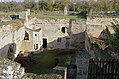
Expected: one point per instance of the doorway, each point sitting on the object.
(67, 43)
(44, 43)
(63, 29)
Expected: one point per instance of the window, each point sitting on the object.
(35, 34)
(59, 40)
(35, 46)
(26, 36)
(82, 42)
(63, 29)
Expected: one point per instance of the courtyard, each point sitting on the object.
(45, 61)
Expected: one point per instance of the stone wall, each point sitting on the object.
(10, 69)
(13, 70)
(52, 29)
(42, 76)
(82, 62)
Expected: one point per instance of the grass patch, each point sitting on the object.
(3, 23)
(54, 16)
(45, 61)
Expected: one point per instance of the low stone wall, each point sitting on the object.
(43, 76)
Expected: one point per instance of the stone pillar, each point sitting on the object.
(82, 61)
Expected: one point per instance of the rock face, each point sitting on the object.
(10, 69)
(59, 33)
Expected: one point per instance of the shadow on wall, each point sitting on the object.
(8, 51)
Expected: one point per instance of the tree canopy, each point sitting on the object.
(49, 5)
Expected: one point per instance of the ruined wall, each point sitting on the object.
(10, 69)
(13, 70)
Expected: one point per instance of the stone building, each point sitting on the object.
(60, 33)
(68, 33)
(11, 36)
(16, 38)
(32, 40)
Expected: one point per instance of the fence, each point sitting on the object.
(103, 69)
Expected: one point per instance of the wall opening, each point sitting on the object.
(11, 51)
(35, 46)
(44, 43)
(63, 29)
(35, 34)
(26, 36)
(67, 43)
(59, 40)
